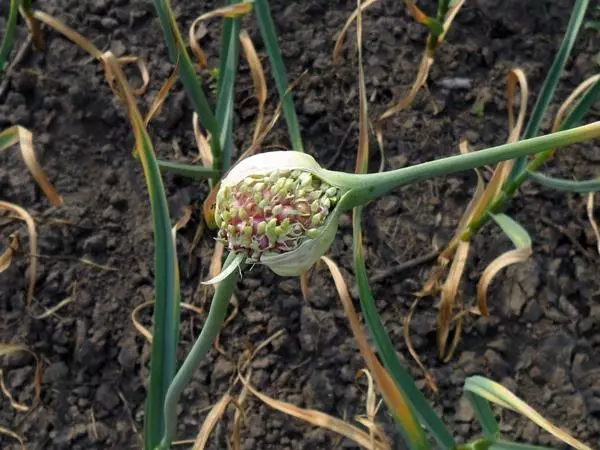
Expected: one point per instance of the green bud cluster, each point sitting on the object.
(274, 213)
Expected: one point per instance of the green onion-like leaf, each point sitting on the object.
(269, 35)
(484, 415)
(9, 33)
(230, 52)
(167, 296)
(192, 171)
(404, 381)
(496, 393)
(562, 184)
(551, 81)
(179, 56)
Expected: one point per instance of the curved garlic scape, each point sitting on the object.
(276, 209)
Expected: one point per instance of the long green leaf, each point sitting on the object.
(167, 295)
(552, 79)
(423, 409)
(180, 57)
(562, 184)
(485, 415)
(230, 52)
(498, 394)
(192, 171)
(269, 35)
(9, 34)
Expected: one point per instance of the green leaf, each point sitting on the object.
(192, 171)
(229, 53)
(562, 184)
(498, 394)
(402, 378)
(180, 57)
(269, 35)
(485, 415)
(552, 79)
(513, 229)
(9, 34)
(507, 445)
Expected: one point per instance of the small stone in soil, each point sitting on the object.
(55, 372)
(107, 397)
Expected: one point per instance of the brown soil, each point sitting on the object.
(542, 339)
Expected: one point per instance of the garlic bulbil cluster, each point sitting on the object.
(275, 209)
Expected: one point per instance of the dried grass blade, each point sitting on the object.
(50, 311)
(12, 434)
(449, 292)
(16, 405)
(161, 96)
(204, 149)
(69, 33)
(6, 349)
(371, 410)
(394, 399)
(340, 40)
(13, 245)
(233, 11)
(237, 419)
(515, 78)
(137, 324)
(577, 92)
(258, 78)
(521, 240)
(506, 259)
(593, 223)
(17, 134)
(318, 419)
(26, 217)
(362, 158)
(143, 72)
(211, 420)
(420, 80)
(428, 376)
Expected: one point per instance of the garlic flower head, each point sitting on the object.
(276, 209)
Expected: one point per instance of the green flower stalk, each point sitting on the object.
(282, 209)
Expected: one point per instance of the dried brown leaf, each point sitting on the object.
(26, 217)
(449, 292)
(24, 138)
(7, 349)
(429, 378)
(318, 419)
(211, 420)
(340, 40)
(14, 245)
(16, 436)
(258, 78)
(593, 223)
(511, 257)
